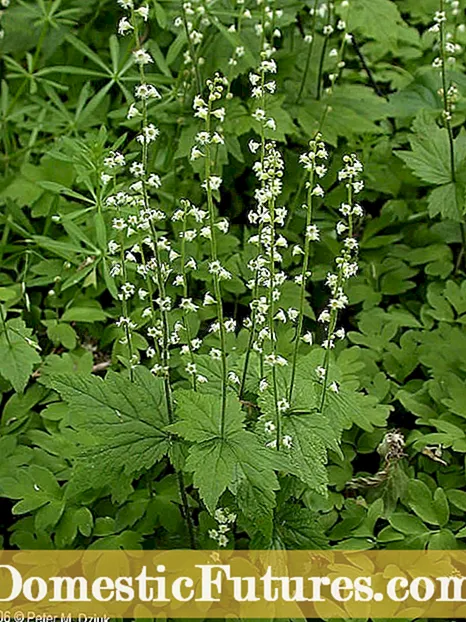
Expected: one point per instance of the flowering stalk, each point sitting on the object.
(187, 303)
(193, 37)
(261, 86)
(346, 268)
(273, 165)
(312, 162)
(145, 220)
(207, 112)
(449, 93)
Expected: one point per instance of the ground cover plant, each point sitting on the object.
(232, 289)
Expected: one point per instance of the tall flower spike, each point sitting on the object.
(213, 114)
(313, 164)
(142, 248)
(262, 87)
(346, 266)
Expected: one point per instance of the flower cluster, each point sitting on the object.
(268, 277)
(225, 520)
(140, 257)
(194, 19)
(337, 53)
(446, 31)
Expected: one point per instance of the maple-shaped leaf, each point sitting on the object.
(234, 459)
(121, 426)
(18, 353)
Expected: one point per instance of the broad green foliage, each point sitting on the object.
(232, 458)
(106, 441)
(429, 159)
(120, 427)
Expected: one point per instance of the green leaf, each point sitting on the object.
(232, 458)
(84, 314)
(121, 427)
(434, 511)
(375, 19)
(34, 486)
(407, 524)
(429, 158)
(62, 333)
(448, 201)
(457, 498)
(295, 528)
(18, 353)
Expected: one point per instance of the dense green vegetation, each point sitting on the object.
(232, 287)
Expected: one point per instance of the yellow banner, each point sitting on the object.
(49, 585)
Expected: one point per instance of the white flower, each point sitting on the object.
(147, 91)
(263, 384)
(222, 540)
(230, 325)
(124, 26)
(219, 114)
(269, 427)
(142, 57)
(187, 305)
(307, 338)
(191, 369)
(320, 371)
(312, 233)
(143, 12)
(133, 112)
(209, 300)
(287, 441)
(283, 405)
(149, 134)
(137, 169)
(213, 183)
(233, 377)
(154, 181)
